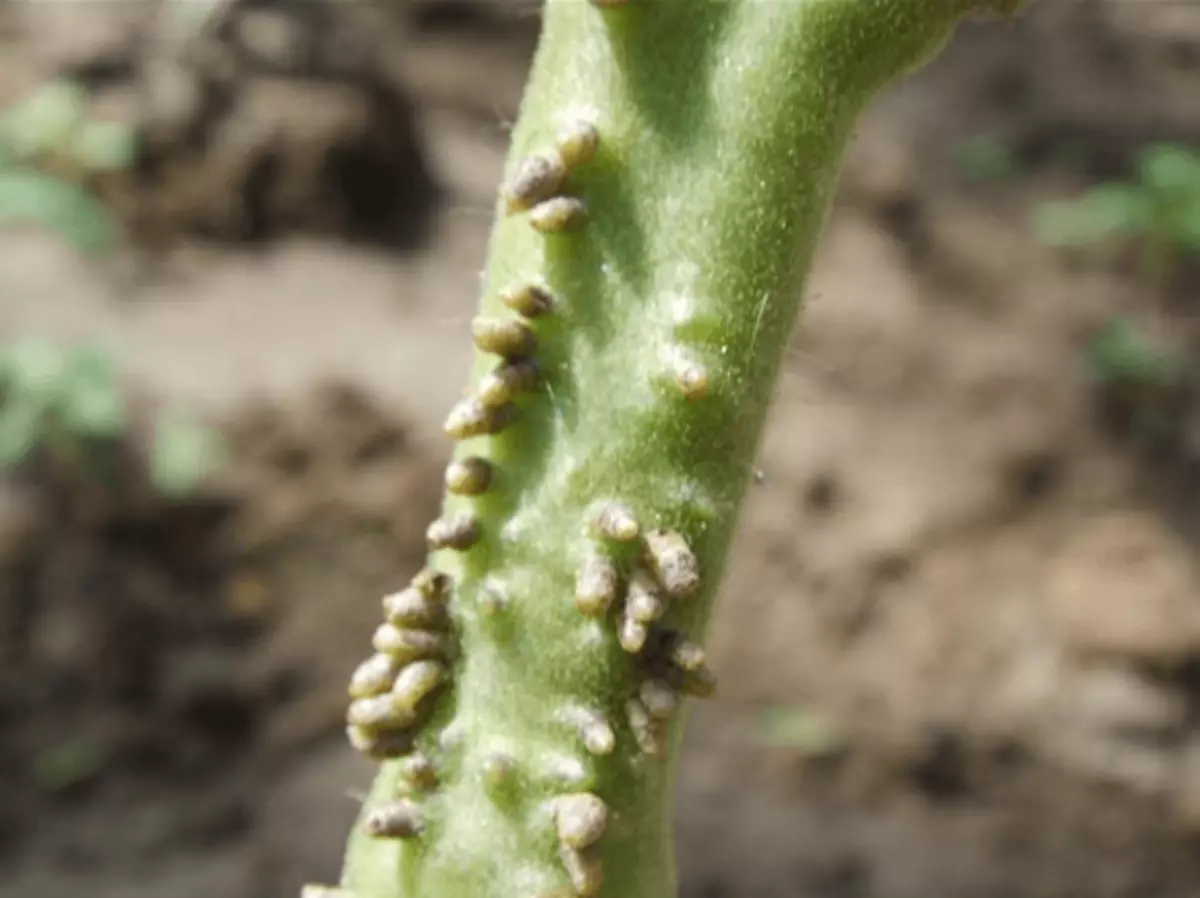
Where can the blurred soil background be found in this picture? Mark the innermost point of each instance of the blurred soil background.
(960, 642)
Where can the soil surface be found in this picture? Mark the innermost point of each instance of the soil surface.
(959, 644)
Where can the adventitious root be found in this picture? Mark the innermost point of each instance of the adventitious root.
(562, 213)
(404, 645)
(418, 772)
(461, 531)
(507, 382)
(528, 300)
(673, 562)
(473, 418)
(581, 819)
(615, 521)
(503, 337)
(537, 178)
(411, 608)
(584, 869)
(595, 731)
(596, 585)
(399, 819)
(468, 476)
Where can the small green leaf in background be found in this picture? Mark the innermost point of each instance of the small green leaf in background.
(30, 378)
(30, 197)
(1170, 168)
(1171, 174)
(32, 367)
(45, 121)
(1120, 353)
(1162, 208)
(984, 158)
(68, 765)
(1102, 212)
(106, 146)
(185, 451)
(92, 405)
(809, 732)
(21, 428)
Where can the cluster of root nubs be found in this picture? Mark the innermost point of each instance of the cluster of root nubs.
(665, 571)
(393, 691)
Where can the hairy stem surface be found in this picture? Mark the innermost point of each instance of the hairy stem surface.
(649, 285)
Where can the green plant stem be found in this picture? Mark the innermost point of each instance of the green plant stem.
(722, 126)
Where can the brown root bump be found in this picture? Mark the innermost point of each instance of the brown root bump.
(505, 337)
(381, 712)
(673, 562)
(469, 476)
(659, 698)
(686, 655)
(561, 213)
(528, 300)
(632, 634)
(594, 730)
(678, 663)
(493, 598)
(416, 681)
(692, 379)
(615, 521)
(374, 676)
(566, 771)
(537, 177)
(498, 768)
(644, 602)
(459, 532)
(597, 585)
(584, 869)
(419, 772)
(648, 732)
(472, 418)
(701, 683)
(577, 142)
(396, 820)
(508, 381)
(380, 745)
(580, 819)
(431, 584)
(412, 608)
(407, 645)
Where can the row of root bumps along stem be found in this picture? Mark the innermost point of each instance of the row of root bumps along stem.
(392, 691)
(538, 182)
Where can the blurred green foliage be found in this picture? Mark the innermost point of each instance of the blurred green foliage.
(984, 158)
(1122, 354)
(1161, 208)
(808, 732)
(1142, 382)
(49, 152)
(68, 764)
(51, 393)
(185, 451)
(69, 399)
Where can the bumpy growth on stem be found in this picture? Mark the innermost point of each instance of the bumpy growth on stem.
(668, 179)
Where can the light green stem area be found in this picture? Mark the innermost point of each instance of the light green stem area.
(722, 126)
